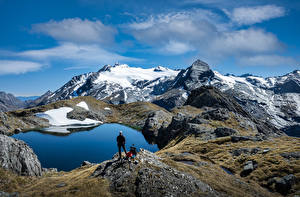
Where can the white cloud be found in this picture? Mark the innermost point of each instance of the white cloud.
(257, 14)
(76, 54)
(18, 67)
(176, 48)
(77, 30)
(267, 60)
(245, 41)
(177, 30)
(203, 32)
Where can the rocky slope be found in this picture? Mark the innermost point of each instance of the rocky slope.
(273, 99)
(8, 102)
(208, 113)
(18, 157)
(147, 175)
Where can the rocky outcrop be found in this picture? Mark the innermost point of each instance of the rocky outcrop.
(212, 97)
(79, 113)
(171, 99)
(147, 175)
(282, 185)
(18, 157)
(155, 121)
(224, 131)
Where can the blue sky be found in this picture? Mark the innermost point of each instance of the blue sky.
(44, 43)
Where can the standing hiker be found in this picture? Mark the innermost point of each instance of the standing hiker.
(121, 143)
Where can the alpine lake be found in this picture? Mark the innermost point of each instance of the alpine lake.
(66, 151)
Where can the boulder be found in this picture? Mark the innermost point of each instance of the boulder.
(17, 156)
(155, 121)
(224, 131)
(245, 138)
(86, 163)
(248, 168)
(239, 151)
(284, 184)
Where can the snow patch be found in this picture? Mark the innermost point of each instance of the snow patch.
(58, 117)
(107, 108)
(185, 95)
(124, 75)
(83, 105)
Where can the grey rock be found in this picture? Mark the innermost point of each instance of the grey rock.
(284, 184)
(245, 138)
(290, 155)
(85, 163)
(171, 98)
(80, 113)
(224, 131)
(46, 170)
(266, 150)
(239, 151)
(199, 120)
(150, 177)
(5, 194)
(220, 114)
(156, 120)
(248, 168)
(18, 157)
(61, 185)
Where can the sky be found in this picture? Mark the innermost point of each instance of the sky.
(43, 44)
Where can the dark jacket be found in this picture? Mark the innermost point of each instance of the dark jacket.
(120, 140)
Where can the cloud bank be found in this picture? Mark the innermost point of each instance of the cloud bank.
(77, 30)
(18, 67)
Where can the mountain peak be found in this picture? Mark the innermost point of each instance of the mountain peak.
(120, 65)
(200, 64)
(160, 69)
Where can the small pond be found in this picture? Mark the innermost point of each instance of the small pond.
(67, 151)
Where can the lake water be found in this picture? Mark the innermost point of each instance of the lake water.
(66, 152)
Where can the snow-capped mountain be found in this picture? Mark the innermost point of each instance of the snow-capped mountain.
(117, 84)
(273, 99)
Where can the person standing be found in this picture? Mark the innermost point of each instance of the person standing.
(121, 143)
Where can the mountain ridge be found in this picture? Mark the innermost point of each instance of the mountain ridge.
(275, 99)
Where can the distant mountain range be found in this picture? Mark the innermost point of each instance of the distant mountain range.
(272, 99)
(27, 98)
(9, 102)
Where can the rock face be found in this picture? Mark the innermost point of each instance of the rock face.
(155, 121)
(196, 75)
(215, 106)
(18, 157)
(212, 97)
(223, 131)
(147, 175)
